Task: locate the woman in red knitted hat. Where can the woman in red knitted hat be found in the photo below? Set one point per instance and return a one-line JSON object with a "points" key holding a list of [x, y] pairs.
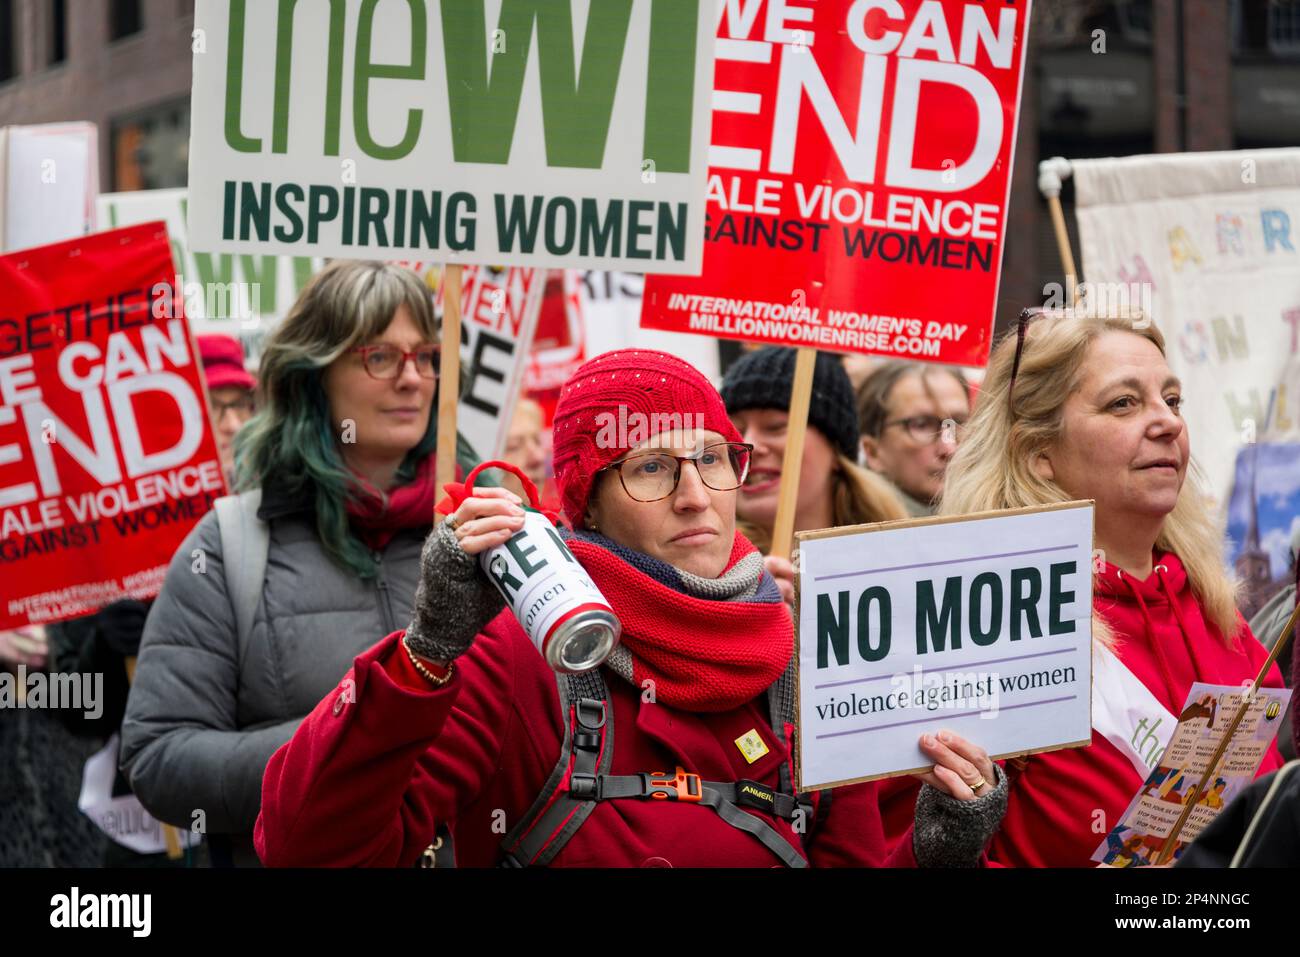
{"points": [[456, 734]]}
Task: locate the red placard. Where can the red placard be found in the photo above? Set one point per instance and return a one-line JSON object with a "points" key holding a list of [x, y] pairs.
{"points": [[106, 452], [560, 346], [859, 176]]}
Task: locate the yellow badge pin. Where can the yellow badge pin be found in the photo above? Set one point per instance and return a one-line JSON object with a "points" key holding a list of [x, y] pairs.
{"points": [[751, 745]]}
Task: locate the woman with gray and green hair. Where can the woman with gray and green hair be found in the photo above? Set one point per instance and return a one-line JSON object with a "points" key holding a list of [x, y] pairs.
{"points": [[276, 591]]}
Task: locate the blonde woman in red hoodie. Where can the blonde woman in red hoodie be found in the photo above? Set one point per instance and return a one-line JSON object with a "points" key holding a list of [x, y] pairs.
{"points": [[1077, 407]]}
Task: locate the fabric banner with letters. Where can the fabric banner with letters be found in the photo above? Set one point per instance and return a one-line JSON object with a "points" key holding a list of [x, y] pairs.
{"points": [[1126, 713], [1209, 243]]}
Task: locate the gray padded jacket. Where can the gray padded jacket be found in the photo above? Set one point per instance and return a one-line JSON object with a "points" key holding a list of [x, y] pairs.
{"points": [[202, 719]]}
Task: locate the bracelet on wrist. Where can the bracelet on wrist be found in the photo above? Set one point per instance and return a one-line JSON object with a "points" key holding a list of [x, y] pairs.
{"points": [[425, 672]]}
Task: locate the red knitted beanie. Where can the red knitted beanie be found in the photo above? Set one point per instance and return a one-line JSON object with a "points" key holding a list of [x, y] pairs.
{"points": [[613, 401]]}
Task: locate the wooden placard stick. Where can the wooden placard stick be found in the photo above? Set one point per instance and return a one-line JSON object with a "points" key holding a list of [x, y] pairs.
{"points": [[172, 839], [1063, 244], [1051, 174], [805, 364], [1167, 849], [448, 377]]}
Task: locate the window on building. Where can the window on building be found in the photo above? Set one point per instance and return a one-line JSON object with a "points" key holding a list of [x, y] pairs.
{"points": [[151, 148], [124, 18], [8, 48], [1265, 73], [1095, 90], [58, 27], [1133, 17], [1096, 94], [1284, 28]]}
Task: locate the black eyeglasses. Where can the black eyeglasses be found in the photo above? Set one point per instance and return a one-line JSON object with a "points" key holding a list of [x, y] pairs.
{"points": [[244, 408], [651, 476]]}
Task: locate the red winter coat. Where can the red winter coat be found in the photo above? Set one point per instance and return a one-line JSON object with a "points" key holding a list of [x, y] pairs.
{"points": [[376, 767], [1052, 818]]}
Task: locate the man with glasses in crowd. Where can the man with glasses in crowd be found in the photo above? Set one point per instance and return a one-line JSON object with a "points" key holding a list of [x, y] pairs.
{"points": [[911, 415]]}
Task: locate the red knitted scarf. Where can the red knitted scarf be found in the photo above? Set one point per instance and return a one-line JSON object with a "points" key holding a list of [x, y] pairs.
{"points": [[376, 518], [702, 654]]}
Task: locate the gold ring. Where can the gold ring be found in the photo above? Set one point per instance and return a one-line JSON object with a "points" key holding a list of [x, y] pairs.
{"points": [[975, 788]]}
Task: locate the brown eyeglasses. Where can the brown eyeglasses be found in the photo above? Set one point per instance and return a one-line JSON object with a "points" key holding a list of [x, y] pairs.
{"points": [[928, 429], [1038, 312], [651, 476], [1026, 317]]}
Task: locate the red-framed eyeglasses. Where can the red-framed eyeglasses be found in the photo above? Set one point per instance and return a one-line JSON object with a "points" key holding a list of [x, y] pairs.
{"points": [[387, 361]]}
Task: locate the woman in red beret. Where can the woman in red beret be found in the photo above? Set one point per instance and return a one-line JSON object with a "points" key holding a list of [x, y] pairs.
{"points": [[231, 394], [675, 752]]}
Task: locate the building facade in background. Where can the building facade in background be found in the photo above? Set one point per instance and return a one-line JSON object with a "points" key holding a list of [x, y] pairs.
{"points": [[1124, 77], [121, 64], [1103, 78]]}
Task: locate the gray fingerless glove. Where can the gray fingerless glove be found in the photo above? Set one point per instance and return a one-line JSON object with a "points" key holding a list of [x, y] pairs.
{"points": [[454, 600], [953, 833]]}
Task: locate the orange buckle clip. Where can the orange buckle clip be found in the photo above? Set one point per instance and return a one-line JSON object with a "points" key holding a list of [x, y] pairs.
{"points": [[683, 786]]}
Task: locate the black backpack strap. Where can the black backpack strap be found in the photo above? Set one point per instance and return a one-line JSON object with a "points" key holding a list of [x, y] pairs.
{"points": [[780, 707], [581, 779], [723, 797], [566, 798], [687, 787], [756, 826]]}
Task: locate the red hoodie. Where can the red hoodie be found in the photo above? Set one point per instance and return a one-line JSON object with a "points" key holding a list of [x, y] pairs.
{"points": [[1064, 802]]}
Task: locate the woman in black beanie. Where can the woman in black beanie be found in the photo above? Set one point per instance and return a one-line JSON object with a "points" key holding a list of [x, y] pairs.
{"points": [[833, 489]]}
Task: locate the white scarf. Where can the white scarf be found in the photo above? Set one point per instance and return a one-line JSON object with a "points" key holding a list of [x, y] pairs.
{"points": [[1127, 714]]}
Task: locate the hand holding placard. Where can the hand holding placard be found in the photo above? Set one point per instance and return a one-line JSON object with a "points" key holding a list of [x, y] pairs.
{"points": [[1222, 736], [939, 629]]}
